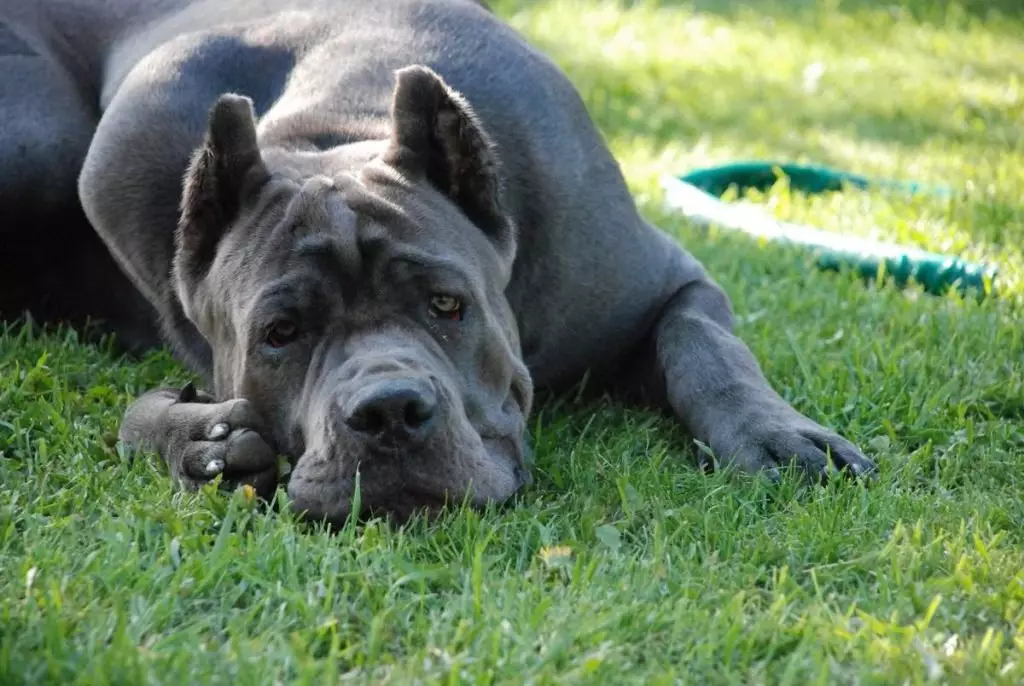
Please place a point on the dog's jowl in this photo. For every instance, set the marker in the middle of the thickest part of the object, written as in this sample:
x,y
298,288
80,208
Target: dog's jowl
x,y
372,227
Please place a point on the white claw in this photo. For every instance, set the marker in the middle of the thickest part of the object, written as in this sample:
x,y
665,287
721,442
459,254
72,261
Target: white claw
x,y
214,467
219,431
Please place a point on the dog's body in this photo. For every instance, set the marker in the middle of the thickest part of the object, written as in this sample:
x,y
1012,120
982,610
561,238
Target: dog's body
x,y
375,270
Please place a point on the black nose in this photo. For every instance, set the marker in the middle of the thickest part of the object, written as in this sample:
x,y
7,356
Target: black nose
x,y
394,412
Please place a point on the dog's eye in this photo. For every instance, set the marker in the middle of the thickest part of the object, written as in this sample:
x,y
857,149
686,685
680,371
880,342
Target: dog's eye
x,y
446,307
281,333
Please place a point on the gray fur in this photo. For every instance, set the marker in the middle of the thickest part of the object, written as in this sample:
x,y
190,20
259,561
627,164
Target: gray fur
x,y
320,174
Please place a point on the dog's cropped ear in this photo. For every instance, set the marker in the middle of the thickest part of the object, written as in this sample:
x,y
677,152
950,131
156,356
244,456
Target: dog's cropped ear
x,y
436,135
223,169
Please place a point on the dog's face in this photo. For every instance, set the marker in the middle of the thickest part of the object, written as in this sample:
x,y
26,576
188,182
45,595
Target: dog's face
x,y
362,310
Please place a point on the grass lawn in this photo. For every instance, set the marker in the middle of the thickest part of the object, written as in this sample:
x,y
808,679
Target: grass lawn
x,y
622,564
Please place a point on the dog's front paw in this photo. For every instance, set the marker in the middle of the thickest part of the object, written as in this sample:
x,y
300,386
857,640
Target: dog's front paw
x,y
766,441
205,440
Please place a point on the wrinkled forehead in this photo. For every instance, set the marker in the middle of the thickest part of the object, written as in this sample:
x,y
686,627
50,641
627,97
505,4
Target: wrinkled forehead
x,y
350,225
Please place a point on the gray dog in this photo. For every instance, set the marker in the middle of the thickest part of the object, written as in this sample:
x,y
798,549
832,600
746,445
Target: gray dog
x,y
373,226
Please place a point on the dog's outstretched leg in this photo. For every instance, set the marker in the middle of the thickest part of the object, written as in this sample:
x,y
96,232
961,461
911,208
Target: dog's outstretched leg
x,y
713,383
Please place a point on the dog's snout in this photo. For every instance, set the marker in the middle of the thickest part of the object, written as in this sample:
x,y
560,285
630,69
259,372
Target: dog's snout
x,y
393,412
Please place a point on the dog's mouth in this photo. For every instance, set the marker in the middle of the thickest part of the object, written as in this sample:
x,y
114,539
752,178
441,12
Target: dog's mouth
x,y
398,507
399,484
411,503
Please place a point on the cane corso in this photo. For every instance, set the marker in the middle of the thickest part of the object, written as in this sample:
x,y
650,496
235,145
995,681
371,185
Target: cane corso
x,y
373,227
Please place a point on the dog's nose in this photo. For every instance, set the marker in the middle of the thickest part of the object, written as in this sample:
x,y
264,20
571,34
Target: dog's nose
x,y
396,412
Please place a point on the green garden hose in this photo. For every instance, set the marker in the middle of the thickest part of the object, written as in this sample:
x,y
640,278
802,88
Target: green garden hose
x,y
697,195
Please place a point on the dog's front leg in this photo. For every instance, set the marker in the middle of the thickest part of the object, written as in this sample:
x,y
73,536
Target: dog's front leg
x,y
714,384
200,438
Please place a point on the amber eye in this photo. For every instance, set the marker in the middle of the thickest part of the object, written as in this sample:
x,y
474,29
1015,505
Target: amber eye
x,y
446,307
281,333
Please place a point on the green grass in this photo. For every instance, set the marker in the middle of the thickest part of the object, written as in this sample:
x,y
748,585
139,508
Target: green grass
x,y
622,564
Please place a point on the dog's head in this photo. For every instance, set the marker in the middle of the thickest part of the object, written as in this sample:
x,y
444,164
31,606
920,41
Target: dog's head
x,y
362,310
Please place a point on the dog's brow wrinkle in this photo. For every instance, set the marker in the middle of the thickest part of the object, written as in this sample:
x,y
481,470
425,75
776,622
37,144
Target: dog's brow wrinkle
x,y
425,261
316,186
320,247
328,251
443,273
348,181
365,202
317,208
286,288
300,204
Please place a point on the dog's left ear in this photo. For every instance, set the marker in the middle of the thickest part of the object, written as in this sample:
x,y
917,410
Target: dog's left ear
x,y
436,135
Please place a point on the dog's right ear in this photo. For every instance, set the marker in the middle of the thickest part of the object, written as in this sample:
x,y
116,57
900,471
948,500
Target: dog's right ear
x,y
437,136
226,166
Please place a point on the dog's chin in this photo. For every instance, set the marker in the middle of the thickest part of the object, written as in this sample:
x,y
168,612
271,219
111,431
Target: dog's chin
x,y
398,495
397,507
